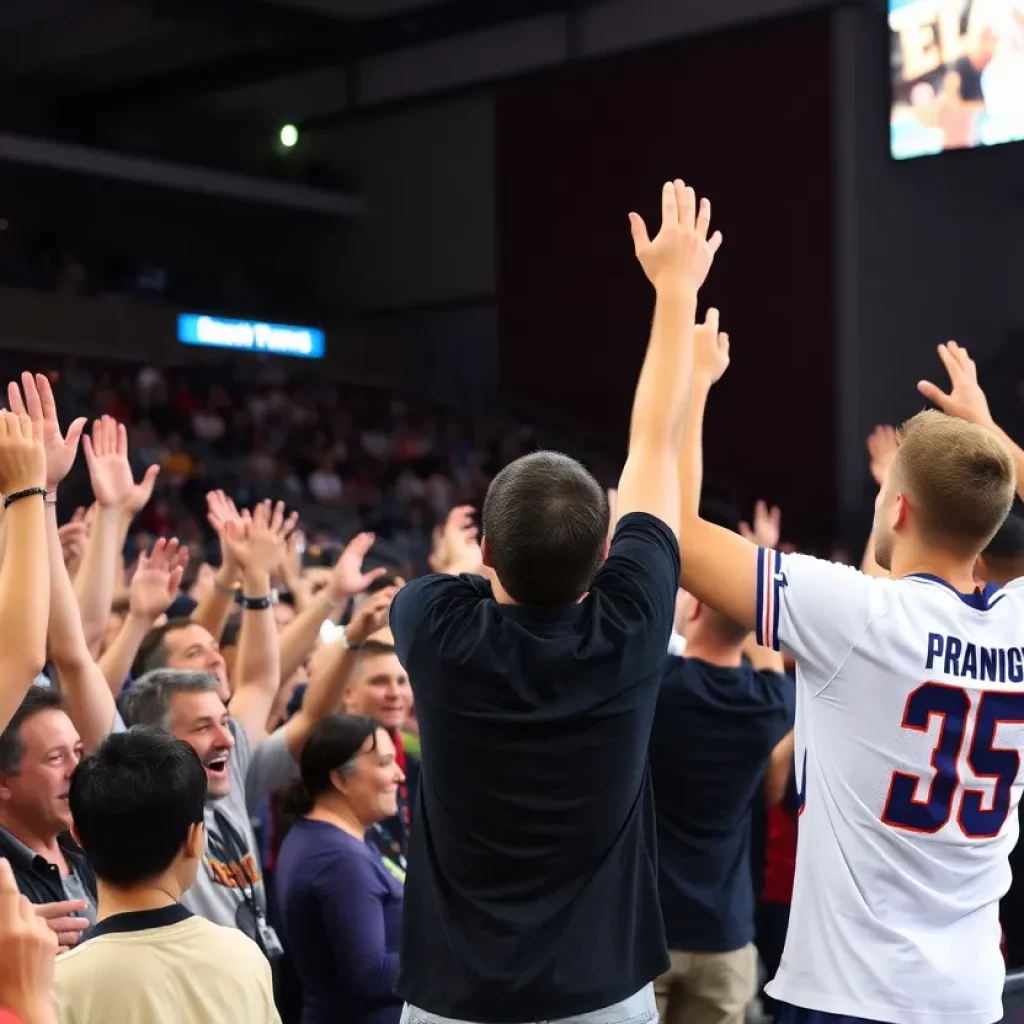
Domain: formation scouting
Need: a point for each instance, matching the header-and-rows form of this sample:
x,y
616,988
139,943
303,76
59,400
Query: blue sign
x,y
250,336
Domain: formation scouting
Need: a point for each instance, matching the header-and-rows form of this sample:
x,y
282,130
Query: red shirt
x,y
6,1017
780,854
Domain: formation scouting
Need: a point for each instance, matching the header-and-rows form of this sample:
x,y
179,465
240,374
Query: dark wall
x,y
930,250
744,117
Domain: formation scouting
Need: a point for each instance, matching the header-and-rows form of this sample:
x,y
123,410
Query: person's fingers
x,y
14,399
715,242
277,517
33,405
174,582
122,439
949,362
933,394
638,229
375,574
669,204
56,911
74,434
687,200
703,218
711,321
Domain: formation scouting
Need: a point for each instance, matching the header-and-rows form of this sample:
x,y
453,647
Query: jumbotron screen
x,y
957,74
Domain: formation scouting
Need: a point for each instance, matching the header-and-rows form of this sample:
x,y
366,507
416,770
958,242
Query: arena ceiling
x,y
117,54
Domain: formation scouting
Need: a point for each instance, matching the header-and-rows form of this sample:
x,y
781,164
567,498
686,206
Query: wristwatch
x,y
258,604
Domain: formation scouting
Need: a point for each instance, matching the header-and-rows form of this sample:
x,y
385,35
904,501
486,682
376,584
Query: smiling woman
x,y
341,901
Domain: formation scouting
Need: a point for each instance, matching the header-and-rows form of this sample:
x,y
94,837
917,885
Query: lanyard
x,y
387,847
231,847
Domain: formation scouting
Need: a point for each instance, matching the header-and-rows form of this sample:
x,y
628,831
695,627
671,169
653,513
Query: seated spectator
x,y
139,803
340,900
39,750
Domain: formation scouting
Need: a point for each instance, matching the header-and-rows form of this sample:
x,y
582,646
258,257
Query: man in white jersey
x,y
909,723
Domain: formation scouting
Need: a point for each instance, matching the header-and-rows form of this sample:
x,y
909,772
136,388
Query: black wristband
x,y
10,499
257,604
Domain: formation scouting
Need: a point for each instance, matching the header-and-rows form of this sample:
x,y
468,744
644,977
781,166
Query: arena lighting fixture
x,y
289,135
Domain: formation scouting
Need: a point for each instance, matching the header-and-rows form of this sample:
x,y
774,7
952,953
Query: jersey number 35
x,y
952,705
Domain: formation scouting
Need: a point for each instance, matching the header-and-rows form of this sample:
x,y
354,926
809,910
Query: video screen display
x,y
957,74
251,336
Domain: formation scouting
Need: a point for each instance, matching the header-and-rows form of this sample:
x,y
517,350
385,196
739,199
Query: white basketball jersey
x,y
909,727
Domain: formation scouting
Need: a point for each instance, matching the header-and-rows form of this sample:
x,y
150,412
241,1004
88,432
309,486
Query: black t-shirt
x,y
714,731
532,885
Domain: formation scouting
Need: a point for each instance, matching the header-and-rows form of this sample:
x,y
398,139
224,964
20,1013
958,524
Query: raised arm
x,y
882,444
106,453
90,704
153,588
333,669
214,610
24,580
346,581
967,401
718,567
255,544
676,262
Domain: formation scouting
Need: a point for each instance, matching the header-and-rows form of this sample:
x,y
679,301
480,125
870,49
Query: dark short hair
x,y
152,651
38,699
389,579
133,802
546,523
368,648
232,631
1009,539
331,747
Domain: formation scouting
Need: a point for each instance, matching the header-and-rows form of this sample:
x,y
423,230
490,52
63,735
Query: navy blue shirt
x,y
532,887
714,731
341,911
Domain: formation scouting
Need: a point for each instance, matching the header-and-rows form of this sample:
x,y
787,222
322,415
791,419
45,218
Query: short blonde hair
x,y
960,477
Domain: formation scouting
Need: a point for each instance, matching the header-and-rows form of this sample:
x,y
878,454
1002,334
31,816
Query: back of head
x,y
1003,559
331,747
545,522
959,477
134,803
148,701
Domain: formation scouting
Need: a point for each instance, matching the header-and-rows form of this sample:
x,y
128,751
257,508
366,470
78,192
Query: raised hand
x,y
157,579
142,491
22,456
106,454
710,350
965,400
347,576
73,537
767,528
221,510
371,615
34,399
256,542
882,444
681,253
30,948
461,541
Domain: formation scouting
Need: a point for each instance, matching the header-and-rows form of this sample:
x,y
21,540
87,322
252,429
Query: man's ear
x,y
195,841
485,551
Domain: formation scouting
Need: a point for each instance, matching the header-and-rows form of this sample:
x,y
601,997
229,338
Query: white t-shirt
x,y
909,724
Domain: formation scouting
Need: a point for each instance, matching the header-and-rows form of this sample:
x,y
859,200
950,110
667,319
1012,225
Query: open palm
x,y
106,453
35,399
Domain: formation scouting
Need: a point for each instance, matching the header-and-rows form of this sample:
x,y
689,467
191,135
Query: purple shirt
x,y
341,911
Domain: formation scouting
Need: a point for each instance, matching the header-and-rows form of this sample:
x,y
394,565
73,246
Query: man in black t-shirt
x,y
719,720
532,885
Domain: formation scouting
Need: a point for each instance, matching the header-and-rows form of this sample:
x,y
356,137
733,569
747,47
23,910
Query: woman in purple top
x,y
340,901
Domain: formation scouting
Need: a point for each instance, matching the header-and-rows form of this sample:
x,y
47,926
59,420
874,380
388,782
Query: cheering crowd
x,y
221,802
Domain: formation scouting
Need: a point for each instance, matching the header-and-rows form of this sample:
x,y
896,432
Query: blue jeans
x,y
639,1008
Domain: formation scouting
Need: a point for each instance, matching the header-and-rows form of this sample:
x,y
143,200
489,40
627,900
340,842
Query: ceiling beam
x,y
324,42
